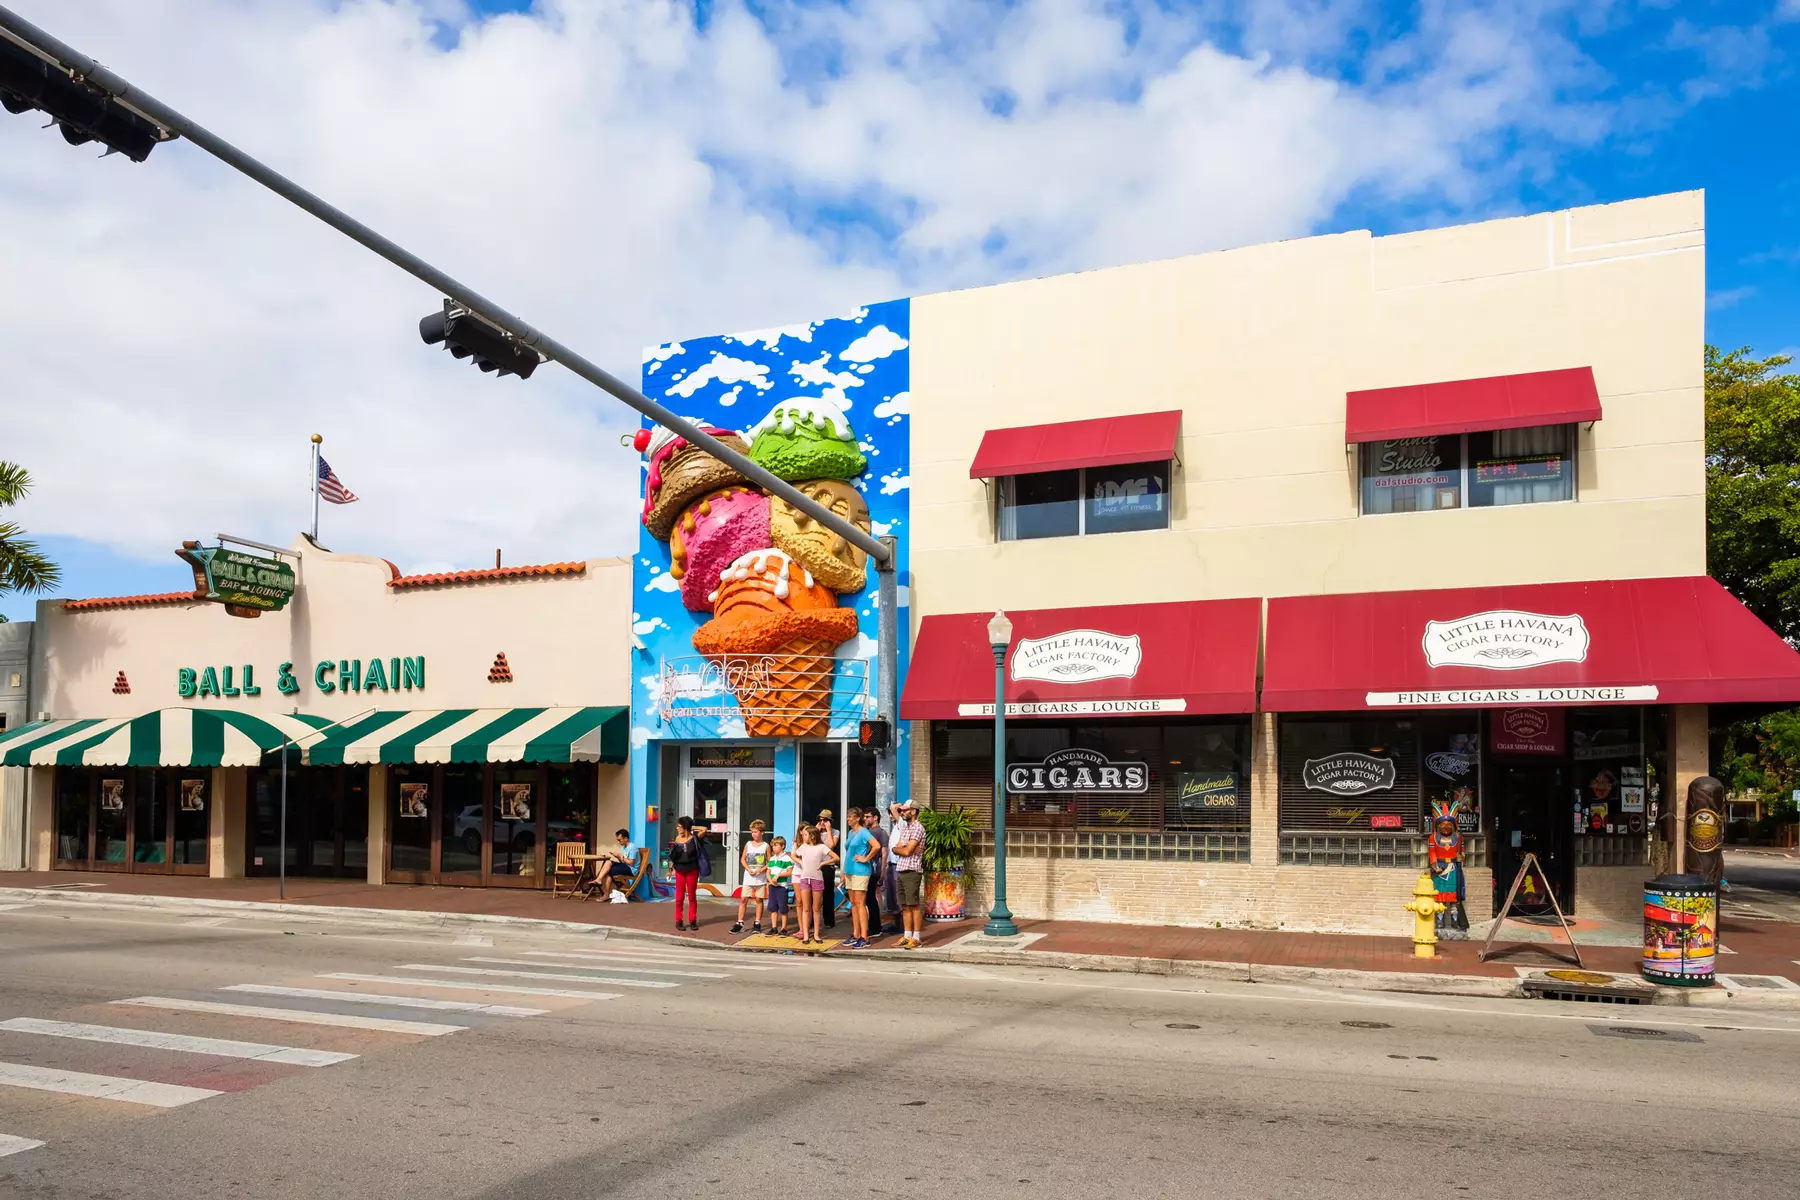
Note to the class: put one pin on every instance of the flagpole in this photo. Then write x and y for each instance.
(316, 439)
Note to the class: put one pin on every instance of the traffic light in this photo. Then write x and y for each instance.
(874, 735)
(84, 115)
(466, 335)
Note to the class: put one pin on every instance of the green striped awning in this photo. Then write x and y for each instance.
(168, 737)
(472, 735)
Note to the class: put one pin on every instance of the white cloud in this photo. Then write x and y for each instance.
(878, 343)
(895, 482)
(722, 369)
(662, 354)
(897, 405)
(771, 338)
(816, 374)
(642, 627)
(174, 333)
(663, 582)
(860, 646)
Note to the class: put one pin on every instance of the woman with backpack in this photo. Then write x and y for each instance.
(687, 855)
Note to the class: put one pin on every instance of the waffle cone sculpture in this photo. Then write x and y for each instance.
(775, 632)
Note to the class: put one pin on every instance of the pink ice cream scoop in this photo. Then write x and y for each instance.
(714, 532)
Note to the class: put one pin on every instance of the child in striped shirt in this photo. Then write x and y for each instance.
(781, 872)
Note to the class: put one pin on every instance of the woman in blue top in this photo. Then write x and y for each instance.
(859, 868)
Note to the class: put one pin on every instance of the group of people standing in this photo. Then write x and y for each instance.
(801, 879)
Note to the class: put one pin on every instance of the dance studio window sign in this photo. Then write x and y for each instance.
(1526, 731)
(1078, 771)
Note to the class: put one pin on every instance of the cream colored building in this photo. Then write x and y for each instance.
(375, 676)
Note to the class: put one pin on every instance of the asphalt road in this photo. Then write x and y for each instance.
(752, 1077)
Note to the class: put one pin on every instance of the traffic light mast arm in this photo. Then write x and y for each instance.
(109, 82)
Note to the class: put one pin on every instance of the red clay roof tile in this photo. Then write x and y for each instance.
(188, 597)
(490, 574)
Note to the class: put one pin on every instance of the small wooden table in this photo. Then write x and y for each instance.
(588, 882)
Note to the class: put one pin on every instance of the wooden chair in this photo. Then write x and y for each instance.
(569, 868)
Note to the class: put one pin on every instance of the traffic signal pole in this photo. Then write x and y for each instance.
(93, 74)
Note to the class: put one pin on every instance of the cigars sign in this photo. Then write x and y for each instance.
(1348, 774)
(1078, 770)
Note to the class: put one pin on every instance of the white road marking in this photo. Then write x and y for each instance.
(15, 1145)
(101, 1087)
(474, 939)
(609, 980)
(5, 908)
(459, 985)
(613, 956)
(468, 1006)
(151, 1040)
(297, 1016)
(527, 962)
(205, 922)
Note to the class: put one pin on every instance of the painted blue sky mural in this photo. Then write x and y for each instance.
(852, 368)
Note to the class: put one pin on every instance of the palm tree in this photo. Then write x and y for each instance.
(23, 567)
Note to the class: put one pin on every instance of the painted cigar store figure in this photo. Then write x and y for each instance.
(1445, 854)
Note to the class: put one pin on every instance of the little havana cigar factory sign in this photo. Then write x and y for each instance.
(1078, 770)
(1508, 640)
(1078, 656)
(1348, 774)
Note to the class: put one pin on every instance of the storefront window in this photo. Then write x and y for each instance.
(74, 804)
(1534, 465)
(409, 831)
(1610, 788)
(1372, 774)
(516, 801)
(460, 819)
(150, 800)
(1092, 500)
(1119, 776)
(193, 799)
(1522, 466)
(571, 813)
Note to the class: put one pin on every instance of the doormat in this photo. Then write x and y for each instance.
(791, 945)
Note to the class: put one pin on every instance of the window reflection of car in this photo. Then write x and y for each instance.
(519, 836)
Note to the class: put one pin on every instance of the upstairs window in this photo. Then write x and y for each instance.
(1532, 465)
(1088, 500)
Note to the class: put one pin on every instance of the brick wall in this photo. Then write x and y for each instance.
(1231, 895)
(1612, 893)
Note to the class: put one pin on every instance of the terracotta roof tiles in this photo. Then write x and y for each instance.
(489, 575)
(187, 597)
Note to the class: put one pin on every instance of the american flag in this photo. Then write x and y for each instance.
(331, 488)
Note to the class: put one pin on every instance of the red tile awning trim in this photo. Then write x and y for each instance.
(1472, 405)
(144, 601)
(1191, 657)
(487, 575)
(1098, 442)
(1617, 641)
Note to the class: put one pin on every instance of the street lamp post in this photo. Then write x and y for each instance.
(1000, 919)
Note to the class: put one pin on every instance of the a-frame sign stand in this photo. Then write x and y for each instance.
(1530, 864)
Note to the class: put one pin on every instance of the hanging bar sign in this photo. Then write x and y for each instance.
(238, 580)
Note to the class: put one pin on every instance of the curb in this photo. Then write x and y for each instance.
(1420, 983)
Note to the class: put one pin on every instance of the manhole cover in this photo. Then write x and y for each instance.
(1638, 1033)
(1180, 1025)
(1594, 977)
(1365, 1024)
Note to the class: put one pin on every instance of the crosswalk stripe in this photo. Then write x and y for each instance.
(4, 908)
(150, 1039)
(299, 1016)
(729, 958)
(9, 1144)
(609, 980)
(468, 1006)
(460, 985)
(101, 1087)
(609, 956)
(528, 962)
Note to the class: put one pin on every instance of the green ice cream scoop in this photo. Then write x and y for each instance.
(807, 438)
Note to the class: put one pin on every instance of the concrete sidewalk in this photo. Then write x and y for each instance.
(1760, 965)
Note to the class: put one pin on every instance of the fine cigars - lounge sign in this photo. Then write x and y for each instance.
(1078, 770)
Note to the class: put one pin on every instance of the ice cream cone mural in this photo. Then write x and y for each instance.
(775, 632)
(714, 532)
(681, 473)
(833, 561)
(807, 438)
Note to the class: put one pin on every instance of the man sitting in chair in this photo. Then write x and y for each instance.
(626, 870)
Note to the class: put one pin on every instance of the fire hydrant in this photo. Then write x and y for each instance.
(1425, 906)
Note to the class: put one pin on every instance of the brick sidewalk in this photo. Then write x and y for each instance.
(1754, 947)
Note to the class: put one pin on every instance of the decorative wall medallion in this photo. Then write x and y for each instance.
(1078, 656)
(121, 685)
(500, 672)
(1505, 640)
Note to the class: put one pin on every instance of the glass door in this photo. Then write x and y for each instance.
(709, 804)
(517, 802)
(754, 801)
(1533, 818)
(462, 825)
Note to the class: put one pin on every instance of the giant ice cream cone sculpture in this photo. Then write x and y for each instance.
(681, 473)
(774, 632)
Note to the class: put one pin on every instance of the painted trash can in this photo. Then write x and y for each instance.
(945, 899)
(1681, 930)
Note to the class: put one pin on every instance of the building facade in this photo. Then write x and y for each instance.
(429, 729)
(1311, 551)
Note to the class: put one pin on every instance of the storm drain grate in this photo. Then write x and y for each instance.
(1365, 1024)
(1639, 1034)
(1587, 987)
(1552, 993)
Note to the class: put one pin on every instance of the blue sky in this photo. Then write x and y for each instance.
(751, 163)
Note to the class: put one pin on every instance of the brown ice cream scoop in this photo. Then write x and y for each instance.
(832, 560)
(681, 473)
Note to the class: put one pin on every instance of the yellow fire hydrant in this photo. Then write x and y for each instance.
(1425, 906)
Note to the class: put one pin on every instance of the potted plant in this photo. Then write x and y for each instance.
(948, 858)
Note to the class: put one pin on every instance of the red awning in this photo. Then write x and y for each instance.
(1623, 641)
(1126, 660)
(1100, 442)
(1472, 405)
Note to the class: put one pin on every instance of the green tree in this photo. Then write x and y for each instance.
(1753, 483)
(23, 567)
